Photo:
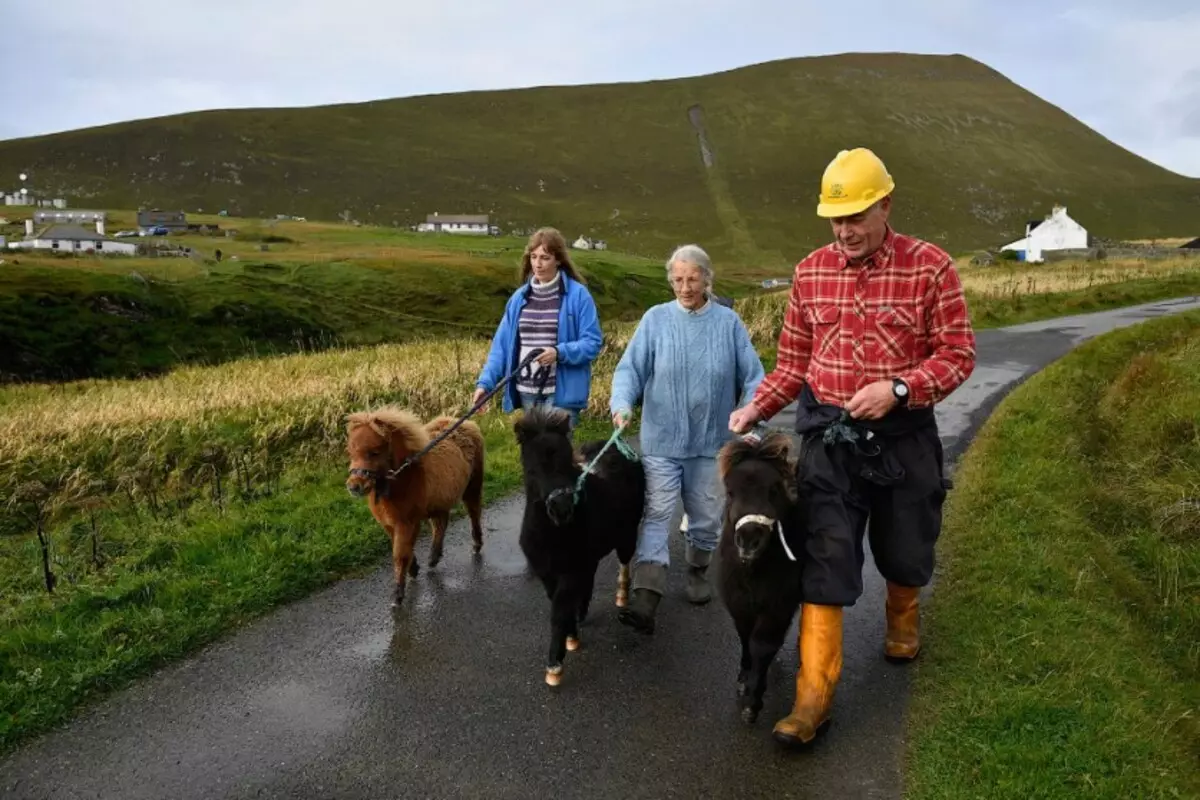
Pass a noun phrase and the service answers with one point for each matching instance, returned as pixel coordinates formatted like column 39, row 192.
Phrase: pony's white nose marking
column 770, row 523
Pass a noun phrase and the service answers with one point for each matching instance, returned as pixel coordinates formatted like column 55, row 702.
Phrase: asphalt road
column 334, row 697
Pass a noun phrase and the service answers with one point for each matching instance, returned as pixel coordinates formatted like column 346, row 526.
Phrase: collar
column 695, row 312
column 558, row 277
column 879, row 259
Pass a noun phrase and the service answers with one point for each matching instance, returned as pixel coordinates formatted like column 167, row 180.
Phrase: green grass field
column 325, row 284
column 1062, row 654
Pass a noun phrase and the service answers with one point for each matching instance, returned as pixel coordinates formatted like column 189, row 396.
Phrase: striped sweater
column 538, row 327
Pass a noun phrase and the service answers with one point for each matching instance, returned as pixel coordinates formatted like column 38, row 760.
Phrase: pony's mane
column 542, row 419
column 388, row 420
column 774, row 448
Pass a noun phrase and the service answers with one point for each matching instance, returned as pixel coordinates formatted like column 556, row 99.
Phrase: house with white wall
column 476, row 224
column 1056, row 232
column 74, row 239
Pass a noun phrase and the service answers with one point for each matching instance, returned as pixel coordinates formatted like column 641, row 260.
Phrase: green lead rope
column 622, row 446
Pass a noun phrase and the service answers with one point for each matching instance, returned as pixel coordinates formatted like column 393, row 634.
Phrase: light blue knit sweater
column 689, row 371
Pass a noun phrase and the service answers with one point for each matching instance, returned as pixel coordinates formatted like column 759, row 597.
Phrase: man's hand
column 620, row 419
column 479, row 393
column 547, row 356
column 872, row 401
column 743, row 419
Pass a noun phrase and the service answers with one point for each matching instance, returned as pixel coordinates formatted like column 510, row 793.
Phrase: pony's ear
column 559, row 422
column 397, row 447
column 730, row 455
column 521, row 428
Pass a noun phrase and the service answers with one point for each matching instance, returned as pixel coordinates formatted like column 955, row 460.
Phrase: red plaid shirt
column 900, row 313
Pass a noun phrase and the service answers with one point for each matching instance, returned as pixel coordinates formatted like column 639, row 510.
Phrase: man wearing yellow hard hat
column 875, row 334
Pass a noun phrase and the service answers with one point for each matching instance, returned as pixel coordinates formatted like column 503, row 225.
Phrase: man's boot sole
column 634, row 620
column 796, row 742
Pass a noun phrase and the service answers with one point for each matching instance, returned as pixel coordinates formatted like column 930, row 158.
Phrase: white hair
column 693, row 254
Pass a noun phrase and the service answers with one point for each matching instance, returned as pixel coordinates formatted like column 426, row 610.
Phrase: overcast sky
column 1131, row 70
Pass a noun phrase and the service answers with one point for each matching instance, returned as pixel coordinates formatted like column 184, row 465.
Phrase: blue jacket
column 579, row 340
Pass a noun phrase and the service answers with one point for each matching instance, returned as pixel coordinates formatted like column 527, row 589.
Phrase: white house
column 68, row 238
column 584, row 243
column 476, row 224
column 1057, row 232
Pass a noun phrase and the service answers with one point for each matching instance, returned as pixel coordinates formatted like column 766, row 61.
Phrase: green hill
column 974, row 156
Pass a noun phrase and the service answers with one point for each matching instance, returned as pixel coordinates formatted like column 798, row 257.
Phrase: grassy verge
column 170, row 582
column 1063, row 656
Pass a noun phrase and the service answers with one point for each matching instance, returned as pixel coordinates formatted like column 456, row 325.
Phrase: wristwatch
column 900, row 389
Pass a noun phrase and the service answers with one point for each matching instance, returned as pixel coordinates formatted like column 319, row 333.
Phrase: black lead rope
column 415, row 457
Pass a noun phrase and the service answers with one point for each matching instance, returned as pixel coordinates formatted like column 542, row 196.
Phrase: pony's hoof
column 749, row 715
column 554, row 675
column 572, row 644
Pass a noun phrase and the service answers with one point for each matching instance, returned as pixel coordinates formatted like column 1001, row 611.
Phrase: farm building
column 171, row 220
column 1194, row 244
column 584, row 243
column 70, row 238
column 1056, row 232
column 456, row 223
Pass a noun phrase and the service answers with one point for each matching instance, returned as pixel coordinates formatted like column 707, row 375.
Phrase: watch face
column 901, row 389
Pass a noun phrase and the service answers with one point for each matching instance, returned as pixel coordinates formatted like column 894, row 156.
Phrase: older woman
column 690, row 363
column 554, row 311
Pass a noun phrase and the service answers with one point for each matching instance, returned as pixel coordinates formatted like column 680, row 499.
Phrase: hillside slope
column 974, row 156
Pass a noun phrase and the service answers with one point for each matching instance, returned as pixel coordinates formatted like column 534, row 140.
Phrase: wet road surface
column 334, row 697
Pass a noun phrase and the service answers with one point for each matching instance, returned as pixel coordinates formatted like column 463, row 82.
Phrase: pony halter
column 760, row 519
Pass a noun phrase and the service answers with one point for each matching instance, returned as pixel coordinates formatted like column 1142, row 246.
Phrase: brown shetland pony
column 379, row 441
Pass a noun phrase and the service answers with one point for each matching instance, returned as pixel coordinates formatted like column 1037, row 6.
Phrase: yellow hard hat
column 852, row 182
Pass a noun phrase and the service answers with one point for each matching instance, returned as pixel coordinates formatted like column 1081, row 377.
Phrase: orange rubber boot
column 903, row 623
column 820, row 669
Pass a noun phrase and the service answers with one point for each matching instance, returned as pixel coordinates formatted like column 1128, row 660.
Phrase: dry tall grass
column 294, row 406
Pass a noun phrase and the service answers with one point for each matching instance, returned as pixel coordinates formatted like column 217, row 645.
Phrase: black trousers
column 898, row 493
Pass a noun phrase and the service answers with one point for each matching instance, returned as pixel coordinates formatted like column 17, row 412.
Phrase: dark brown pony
column 379, row 441
column 759, row 571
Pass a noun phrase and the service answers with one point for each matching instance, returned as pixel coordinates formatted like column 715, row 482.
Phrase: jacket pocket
column 896, row 331
column 826, row 324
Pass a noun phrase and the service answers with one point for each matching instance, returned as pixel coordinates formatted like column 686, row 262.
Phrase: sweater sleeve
column 749, row 366
column 633, row 370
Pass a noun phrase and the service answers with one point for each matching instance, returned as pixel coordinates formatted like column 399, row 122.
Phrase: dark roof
column 458, row 219
column 1194, row 244
column 70, row 232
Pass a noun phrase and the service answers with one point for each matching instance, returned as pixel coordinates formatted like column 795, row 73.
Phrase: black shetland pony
column 758, row 568
column 565, row 534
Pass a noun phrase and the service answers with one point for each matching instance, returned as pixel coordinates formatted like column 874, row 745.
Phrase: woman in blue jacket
column 554, row 311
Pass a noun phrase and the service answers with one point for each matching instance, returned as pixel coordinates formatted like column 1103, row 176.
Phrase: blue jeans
column 529, row 400
column 703, row 501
